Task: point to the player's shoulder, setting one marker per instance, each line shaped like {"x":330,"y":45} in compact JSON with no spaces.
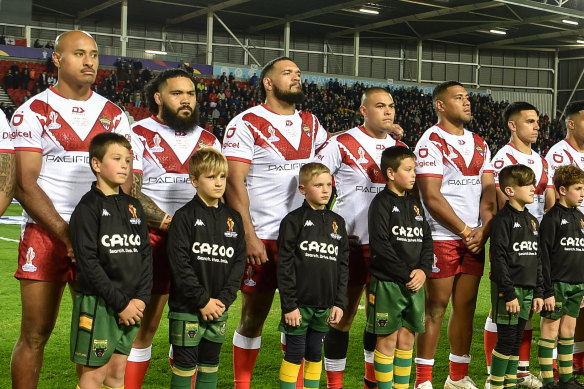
{"x":559,"y":147}
{"x":146,"y":124}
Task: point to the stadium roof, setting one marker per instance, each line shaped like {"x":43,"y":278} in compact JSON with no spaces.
{"x":540,"y":25}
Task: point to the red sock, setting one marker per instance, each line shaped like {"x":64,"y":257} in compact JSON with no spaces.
{"x":525,"y":351}
{"x":423,"y":373}
{"x":369,"y":374}
{"x":490,"y":341}
{"x":458,"y":370}
{"x":334,"y":379}
{"x":577,"y":361}
{"x":243,"y":363}
{"x":135,"y":373}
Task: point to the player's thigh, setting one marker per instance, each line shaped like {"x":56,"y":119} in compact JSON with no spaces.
{"x":150,"y":320}
{"x":465,"y":290}
{"x":579,"y":332}
{"x":254,"y":311}
{"x":354,"y":294}
{"x":438,"y":292}
{"x":40,"y":306}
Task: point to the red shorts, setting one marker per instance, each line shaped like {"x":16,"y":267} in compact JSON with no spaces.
{"x":262,"y":278}
{"x":359,"y":260}
{"x":160,"y":264}
{"x":42,"y":257}
{"x":451,"y":257}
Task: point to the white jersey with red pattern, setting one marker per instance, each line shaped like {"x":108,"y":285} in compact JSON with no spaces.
{"x":460,"y":161}
{"x":563,"y":153}
{"x":510,"y":155}
{"x":275,"y":146}
{"x":6,"y":135}
{"x":354,"y":158}
{"x":162,"y":155}
{"x":61,"y":130}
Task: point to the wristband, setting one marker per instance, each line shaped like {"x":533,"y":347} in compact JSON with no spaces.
{"x":464,"y":229}
{"x":463,"y":235}
{"x":165,"y":223}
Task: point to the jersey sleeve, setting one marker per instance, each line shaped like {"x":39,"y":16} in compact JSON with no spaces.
{"x":500,"y":242}
{"x":285,"y":269}
{"x":229,"y":292}
{"x":238,"y":143}
{"x":341,"y":299}
{"x":487,"y":167}
{"x":322,"y":136}
{"x":330,"y":155}
{"x":144,"y":289}
{"x":84,"y":237}
{"x":547,"y":235}
{"x":182,"y":271}
{"x":28,"y":130}
{"x":428,"y":159}
{"x":555,"y":158}
{"x":138,"y":149}
{"x":427,"y":254}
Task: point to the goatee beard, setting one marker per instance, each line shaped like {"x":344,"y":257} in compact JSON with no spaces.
{"x":289,"y":96}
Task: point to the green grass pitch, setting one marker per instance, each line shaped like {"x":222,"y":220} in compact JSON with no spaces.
{"x":58,"y":371}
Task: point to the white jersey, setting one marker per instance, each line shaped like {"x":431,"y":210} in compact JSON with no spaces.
{"x":563,"y":153}
{"x":460,"y":161}
{"x":61,"y":130}
{"x":275,"y":146}
{"x":6,"y":135}
{"x":510,"y":155}
{"x":354,"y":158}
{"x":162,"y":155}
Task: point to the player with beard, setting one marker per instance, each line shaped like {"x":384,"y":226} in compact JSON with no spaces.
{"x":162,"y":145}
{"x":458,"y":193}
{"x":265,"y":147}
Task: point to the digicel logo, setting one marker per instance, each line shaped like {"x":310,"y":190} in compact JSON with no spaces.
{"x":16,"y":134}
{"x":426,"y":163}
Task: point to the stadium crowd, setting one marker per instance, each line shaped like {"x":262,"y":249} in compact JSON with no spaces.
{"x":222,"y":98}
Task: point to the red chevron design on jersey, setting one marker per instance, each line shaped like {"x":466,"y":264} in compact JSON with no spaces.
{"x":457,"y":161}
{"x":351,"y":154}
{"x":512,"y":159}
{"x":108,"y":119}
{"x":543,"y":180}
{"x":309,"y":127}
{"x":167,"y":158}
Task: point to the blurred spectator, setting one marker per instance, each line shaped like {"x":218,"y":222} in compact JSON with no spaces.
{"x":37,"y":44}
{"x":254,"y":80}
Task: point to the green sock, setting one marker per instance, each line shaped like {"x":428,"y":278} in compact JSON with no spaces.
{"x":545,"y":353}
{"x":565,"y":350}
{"x":511,"y":372}
{"x":207,"y":377}
{"x":181,"y":377}
{"x":383,"y":370}
{"x":402,"y":367}
{"x":499,"y":364}
{"x":312,"y":372}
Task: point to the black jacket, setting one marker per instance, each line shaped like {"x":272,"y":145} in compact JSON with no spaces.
{"x":313,"y":259}
{"x":206,"y":251}
{"x":561,"y":239}
{"x":515,"y":257}
{"x":400,"y":239}
{"x":112,"y":248}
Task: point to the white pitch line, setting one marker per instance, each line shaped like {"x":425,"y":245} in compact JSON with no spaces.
{"x":8,"y":239}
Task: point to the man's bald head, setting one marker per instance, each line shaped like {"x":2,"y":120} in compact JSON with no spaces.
{"x":64,"y":37}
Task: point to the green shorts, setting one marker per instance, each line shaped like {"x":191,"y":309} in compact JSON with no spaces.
{"x":187,"y":329}
{"x":95,"y":332}
{"x":568,"y":300}
{"x":393,"y":306}
{"x":500,"y":314}
{"x":314,"y":318}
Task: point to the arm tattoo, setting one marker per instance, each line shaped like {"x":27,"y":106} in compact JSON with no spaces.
{"x":154,"y":215}
{"x":7,"y":174}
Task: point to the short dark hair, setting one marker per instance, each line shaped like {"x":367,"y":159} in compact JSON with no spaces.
{"x":102,"y":141}
{"x":154,"y":86}
{"x":516,"y":175}
{"x":369,"y":91}
{"x":567,"y":176}
{"x":516,"y":107}
{"x":392,"y":156}
{"x":269,"y":66}
{"x":441,"y":88}
{"x":574,"y":107}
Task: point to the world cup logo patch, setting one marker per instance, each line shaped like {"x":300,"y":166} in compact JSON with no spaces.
{"x":132,"y":210}
{"x":534,"y":227}
{"x":230,"y":233}
{"x":53,"y":125}
{"x":134,"y":219}
{"x":28,"y":266}
{"x":334,"y":234}
{"x":418,"y":217}
{"x":157,"y":148}
{"x":99,"y":347}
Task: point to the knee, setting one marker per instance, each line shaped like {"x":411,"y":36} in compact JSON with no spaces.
{"x":435,"y":312}
{"x":36,"y":336}
{"x":250,"y":325}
